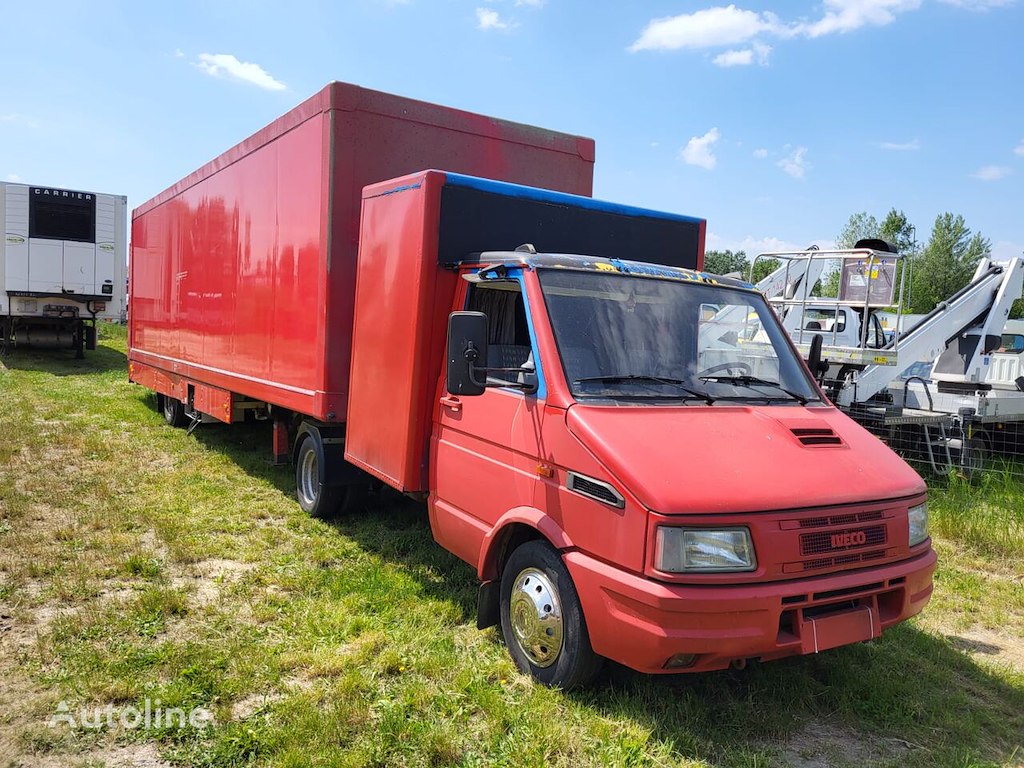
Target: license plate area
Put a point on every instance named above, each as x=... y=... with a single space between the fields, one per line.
x=823 y=629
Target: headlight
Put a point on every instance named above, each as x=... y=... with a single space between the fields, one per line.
x=694 y=550
x=917 y=520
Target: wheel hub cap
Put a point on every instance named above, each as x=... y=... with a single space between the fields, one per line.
x=536 y=617
x=310 y=478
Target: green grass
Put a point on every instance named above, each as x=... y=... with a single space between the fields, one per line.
x=986 y=514
x=138 y=562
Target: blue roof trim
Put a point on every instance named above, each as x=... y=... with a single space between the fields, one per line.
x=562 y=198
x=396 y=190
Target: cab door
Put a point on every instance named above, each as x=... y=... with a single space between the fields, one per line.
x=485 y=449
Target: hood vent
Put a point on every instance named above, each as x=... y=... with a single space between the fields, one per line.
x=595 y=489
x=811 y=436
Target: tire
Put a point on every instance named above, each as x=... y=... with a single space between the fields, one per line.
x=976 y=455
x=319 y=500
x=173 y=411
x=542 y=619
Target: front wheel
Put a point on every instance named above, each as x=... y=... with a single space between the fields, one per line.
x=542 y=619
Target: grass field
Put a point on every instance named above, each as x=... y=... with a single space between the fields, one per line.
x=138 y=562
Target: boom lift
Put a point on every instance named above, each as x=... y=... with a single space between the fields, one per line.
x=860 y=365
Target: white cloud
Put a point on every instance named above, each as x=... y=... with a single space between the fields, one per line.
x=709 y=28
x=795 y=163
x=487 y=18
x=766 y=244
x=761 y=53
x=847 y=15
x=741 y=58
x=906 y=146
x=13 y=177
x=698 y=150
x=744 y=56
x=226 y=65
x=978 y=5
x=729 y=26
x=1019 y=149
x=531 y=3
x=179 y=54
x=761 y=154
x=991 y=172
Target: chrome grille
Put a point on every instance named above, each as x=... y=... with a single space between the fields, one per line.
x=820 y=542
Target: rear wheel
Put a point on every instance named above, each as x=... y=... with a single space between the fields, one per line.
x=315 y=495
x=542 y=619
x=173 y=411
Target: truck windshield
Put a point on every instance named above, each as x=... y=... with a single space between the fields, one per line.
x=643 y=338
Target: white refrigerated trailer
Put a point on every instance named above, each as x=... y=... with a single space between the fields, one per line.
x=63 y=260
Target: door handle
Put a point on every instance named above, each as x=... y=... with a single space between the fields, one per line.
x=452 y=402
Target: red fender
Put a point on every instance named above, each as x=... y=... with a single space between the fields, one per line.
x=487 y=567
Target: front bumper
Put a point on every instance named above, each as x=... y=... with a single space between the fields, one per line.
x=643 y=623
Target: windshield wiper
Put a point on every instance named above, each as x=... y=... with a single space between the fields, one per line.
x=754 y=381
x=645 y=379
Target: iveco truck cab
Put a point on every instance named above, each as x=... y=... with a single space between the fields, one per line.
x=638 y=479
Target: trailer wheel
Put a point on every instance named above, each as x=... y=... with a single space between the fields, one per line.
x=976 y=453
x=173 y=411
x=542 y=619
x=319 y=500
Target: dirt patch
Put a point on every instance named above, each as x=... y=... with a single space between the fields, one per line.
x=206 y=578
x=991 y=645
x=126 y=756
x=129 y=756
x=151 y=541
x=245 y=708
x=827 y=745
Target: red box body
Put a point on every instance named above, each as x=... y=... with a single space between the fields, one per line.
x=412 y=225
x=243 y=273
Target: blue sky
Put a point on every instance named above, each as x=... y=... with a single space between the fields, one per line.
x=773 y=120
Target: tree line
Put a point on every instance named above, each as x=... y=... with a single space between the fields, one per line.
x=937 y=268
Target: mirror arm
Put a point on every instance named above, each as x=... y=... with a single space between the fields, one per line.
x=473 y=354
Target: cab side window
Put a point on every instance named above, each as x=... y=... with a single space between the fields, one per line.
x=508 y=332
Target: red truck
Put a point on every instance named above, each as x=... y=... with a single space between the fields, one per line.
x=629 y=451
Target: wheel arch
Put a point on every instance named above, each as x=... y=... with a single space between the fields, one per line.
x=516 y=527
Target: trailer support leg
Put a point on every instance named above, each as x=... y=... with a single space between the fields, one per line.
x=280 y=442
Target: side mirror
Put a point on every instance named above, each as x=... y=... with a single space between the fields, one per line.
x=466 y=353
x=814 y=356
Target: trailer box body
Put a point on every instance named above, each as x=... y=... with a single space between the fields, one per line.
x=414 y=230
x=243 y=273
x=63 y=259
